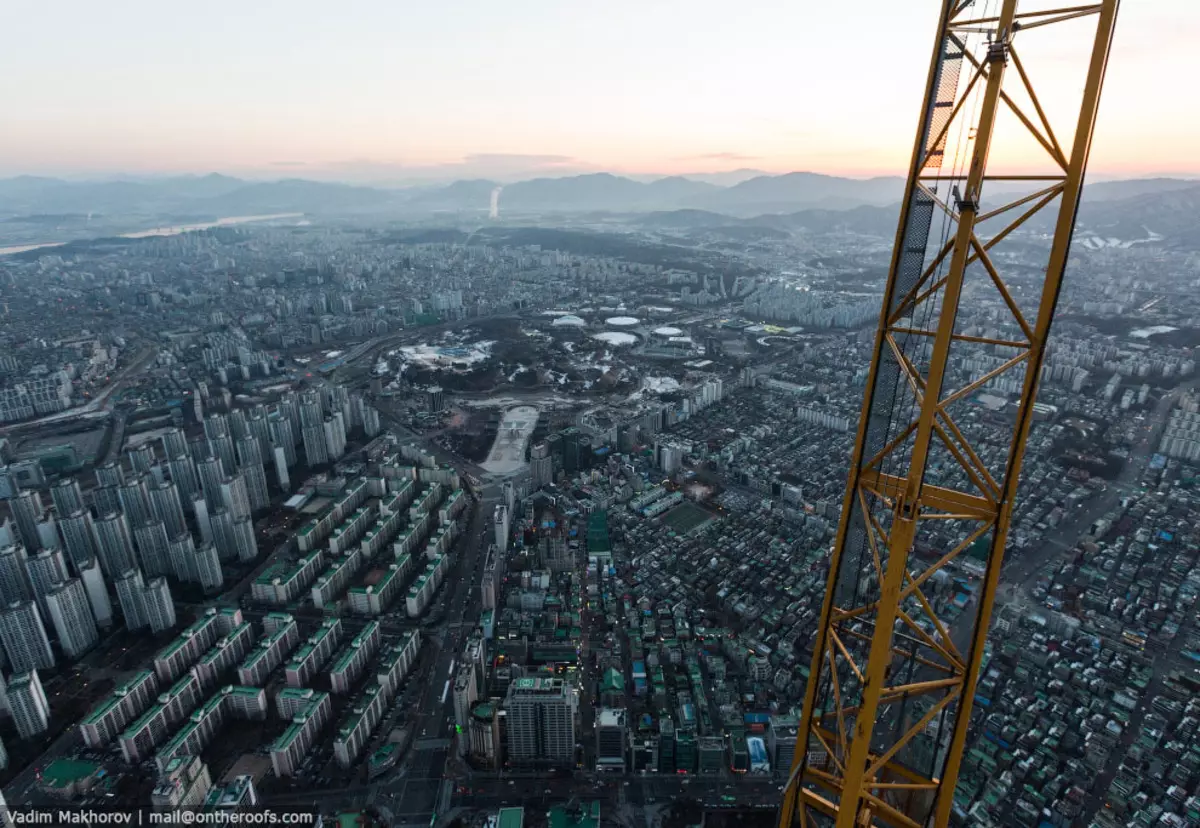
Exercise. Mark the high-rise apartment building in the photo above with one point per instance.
(222, 533)
(146, 603)
(283, 435)
(115, 544)
(281, 468)
(24, 637)
(174, 443)
(47, 569)
(541, 465)
(79, 535)
(185, 477)
(135, 501)
(316, 452)
(234, 496)
(141, 458)
(97, 591)
(110, 474)
(541, 722)
(27, 510)
(105, 500)
(66, 496)
(166, 505)
(71, 614)
(208, 568)
(244, 542)
(30, 707)
(160, 606)
(250, 464)
(211, 474)
(14, 574)
(153, 548)
(130, 586)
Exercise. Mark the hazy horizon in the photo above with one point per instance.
(395, 94)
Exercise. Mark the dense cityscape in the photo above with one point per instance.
(408, 523)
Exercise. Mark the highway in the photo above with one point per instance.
(97, 403)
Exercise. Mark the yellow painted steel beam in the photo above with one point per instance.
(1059, 250)
(793, 789)
(873, 654)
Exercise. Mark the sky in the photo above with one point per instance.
(397, 90)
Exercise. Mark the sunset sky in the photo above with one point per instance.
(396, 89)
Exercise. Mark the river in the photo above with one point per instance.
(161, 231)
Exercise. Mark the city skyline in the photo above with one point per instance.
(393, 95)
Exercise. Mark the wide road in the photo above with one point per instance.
(101, 401)
(629, 795)
(1021, 572)
(417, 789)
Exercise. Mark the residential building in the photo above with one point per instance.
(29, 705)
(24, 637)
(71, 614)
(541, 722)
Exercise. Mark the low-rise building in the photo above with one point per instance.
(353, 659)
(282, 584)
(118, 708)
(182, 786)
(139, 739)
(229, 703)
(313, 653)
(356, 729)
(397, 660)
(282, 636)
(333, 581)
(375, 598)
(226, 652)
(287, 752)
(173, 660)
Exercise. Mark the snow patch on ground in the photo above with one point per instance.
(456, 357)
(660, 385)
(616, 338)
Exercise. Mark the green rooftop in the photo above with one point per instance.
(101, 710)
(270, 573)
(382, 754)
(297, 726)
(116, 696)
(63, 772)
(184, 637)
(511, 818)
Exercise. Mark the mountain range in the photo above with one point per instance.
(1131, 209)
(219, 195)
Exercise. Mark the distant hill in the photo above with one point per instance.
(469, 194)
(1172, 214)
(1113, 212)
(298, 196)
(726, 179)
(599, 191)
(1116, 190)
(799, 190)
(215, 195)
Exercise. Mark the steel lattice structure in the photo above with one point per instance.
(892, 682)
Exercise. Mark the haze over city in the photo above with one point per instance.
(552, 415)
(396, 92)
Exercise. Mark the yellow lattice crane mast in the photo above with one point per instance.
(933, 478)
